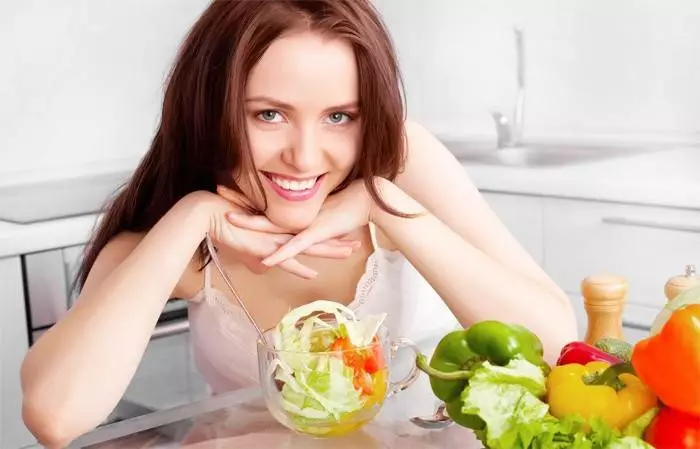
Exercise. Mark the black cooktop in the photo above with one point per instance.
(50, 200)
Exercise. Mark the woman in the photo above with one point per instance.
(294, 110)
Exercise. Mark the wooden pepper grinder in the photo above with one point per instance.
(604, 298)
(677, 284)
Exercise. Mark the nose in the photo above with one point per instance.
(305, 152)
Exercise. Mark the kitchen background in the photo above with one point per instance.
(80, 91)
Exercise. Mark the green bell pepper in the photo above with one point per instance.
(460, 352)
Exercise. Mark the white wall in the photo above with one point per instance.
(593, 67)
(81, 80)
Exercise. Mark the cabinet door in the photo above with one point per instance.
(522, 215)
(634, 334)
(14, 343)
(646, 245)
(46, 287)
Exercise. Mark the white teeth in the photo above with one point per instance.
(295, 186)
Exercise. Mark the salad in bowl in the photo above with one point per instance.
(325, 372)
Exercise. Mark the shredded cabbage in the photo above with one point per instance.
(316, 384)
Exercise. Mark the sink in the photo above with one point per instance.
(542, 154)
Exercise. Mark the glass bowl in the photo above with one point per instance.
(330, 393)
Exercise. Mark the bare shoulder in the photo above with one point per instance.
(117, 250)
(420, 139)
(415, 130)
(420, 145)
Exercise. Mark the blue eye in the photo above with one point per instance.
(337, 118)
(269, 116)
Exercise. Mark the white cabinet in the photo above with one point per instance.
(13, 347)
(46, 287)
(572, 239)
(522, 215)
(634, 334)
(49, 277)
(646, 245)
(45, 277)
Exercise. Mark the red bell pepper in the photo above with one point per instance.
(582, 353)
(673, 429)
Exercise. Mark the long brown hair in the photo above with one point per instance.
(201, 138)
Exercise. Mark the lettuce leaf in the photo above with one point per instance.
(505, 397)
(516, 372)
(637, 427)
(570, 432)
(509, 400)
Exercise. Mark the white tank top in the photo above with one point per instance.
(224, 341)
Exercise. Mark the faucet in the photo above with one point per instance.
(510, 135)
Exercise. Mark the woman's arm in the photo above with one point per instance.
(466, 253)
(74, 375)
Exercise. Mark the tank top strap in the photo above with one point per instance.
(207, 276)
(373, 236)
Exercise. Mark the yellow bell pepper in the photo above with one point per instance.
(582, 390)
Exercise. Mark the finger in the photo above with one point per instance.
(294, 246)
(344, 243)
(254, 222)
(294, 267)
(328, 251)
(280, 239)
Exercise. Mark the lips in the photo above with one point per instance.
(294, 189)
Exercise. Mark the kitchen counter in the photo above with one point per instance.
(22, 239)
(82, 187)
(666, 178)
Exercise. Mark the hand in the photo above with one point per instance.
(255, 244)
(342, 213)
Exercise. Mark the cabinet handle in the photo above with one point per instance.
(651, 224)
(637, 326)
(170, 328)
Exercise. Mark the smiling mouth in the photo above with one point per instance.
(292, 185)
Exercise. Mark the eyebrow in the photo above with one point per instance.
(282, 105)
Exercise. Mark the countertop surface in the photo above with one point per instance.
(22, 239)
(665, 178)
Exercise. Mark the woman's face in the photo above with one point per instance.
(303, 125)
